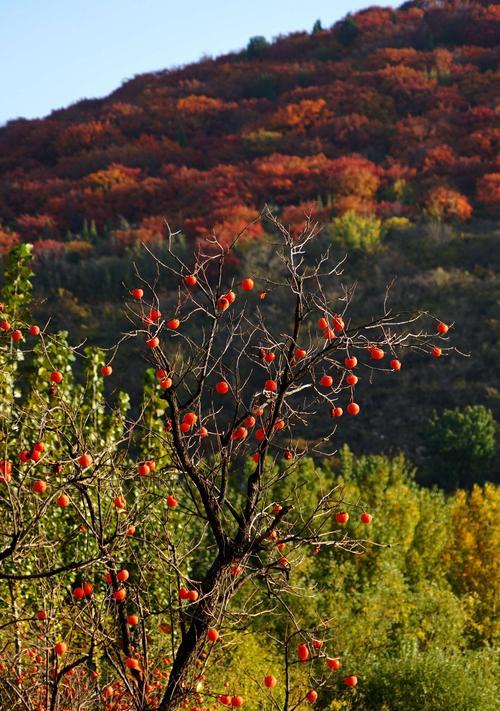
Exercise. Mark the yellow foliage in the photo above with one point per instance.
(473, 557)
(397, 223)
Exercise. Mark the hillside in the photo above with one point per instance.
(383, 127)
(387, 111)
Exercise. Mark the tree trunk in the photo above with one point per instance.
(204, 615)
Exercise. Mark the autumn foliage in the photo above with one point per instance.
(387, 113)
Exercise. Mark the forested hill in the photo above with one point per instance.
(382, 126)
(388, 112)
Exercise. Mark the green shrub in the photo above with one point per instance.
(429, 682)
(357, 232)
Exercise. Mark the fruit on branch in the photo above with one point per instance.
(172, 501)
(34, 330)
(312, 696)
(249, 421)
(342, 517)
(322, 323)
(247, 284)
(16, 335)
(329, 334)
(120, 502)
(442, 328)
(240, 433)
(193, 595)
(376, 353)
(351, 680)
(338, 323)
(154, 315)
(303, 652)
(317, 643)
(366, 517)
(5, 471)
(437, 352)
(237, 701)
(173, 324)
(395, 364)
(271, 386)
(153, 342)
(56, 377)
(35, 455)
(190, 280)
(212, 634)
(25, 455)
(85, 461)
(63, 500)
(333, 663)
(143, 469)
(222, 387)
(270, 681)
(123, 575)
(106, 370)
(300, 353)
(61, 648)
(183, 593)
(137, 293)
(336, 412)
(203, 432)
(351, 379)
(88, 589)
(131, 663)
(40, 486)
(78, 593)
(131, 529)
(353, 408)
(132, 620)
(350, 362)
(191, 418)
(326, 381)
(41, 615)
(166, 383)
(4, 325)
(222, 303)
(119, 594)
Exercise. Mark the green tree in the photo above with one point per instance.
(348, 31)
(460, 446)
(357, 232)
(257, 46)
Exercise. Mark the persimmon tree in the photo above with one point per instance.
(137, 542)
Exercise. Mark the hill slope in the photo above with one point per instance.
(388, 114)
(373, 114)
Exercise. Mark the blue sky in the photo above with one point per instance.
(54, 52)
